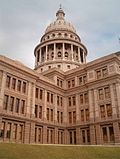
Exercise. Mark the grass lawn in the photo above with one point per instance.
(22, 151)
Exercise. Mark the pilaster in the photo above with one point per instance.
(116, 132)
(114, 110)
(2, 90)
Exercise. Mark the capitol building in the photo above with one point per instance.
(64, 99)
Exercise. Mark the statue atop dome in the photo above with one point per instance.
(60, 13)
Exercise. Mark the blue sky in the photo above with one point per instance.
(23, 22)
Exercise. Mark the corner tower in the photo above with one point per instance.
(60, 46)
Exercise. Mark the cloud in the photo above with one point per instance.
(22, 23)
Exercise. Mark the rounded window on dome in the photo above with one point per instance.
(59, 54)
(65, 34)
(48, 37)
(53, 35)
(76, 38)
(71, 36)
(59, 34)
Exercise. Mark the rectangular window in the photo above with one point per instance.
(22, 106)
(8, 133)
(83, 136)
(107, 92)
(61, 117)
(87, 114)
(57, 82)
(11, 103)
(61, 101)
(69, 84)
(20, 132)
(8, 81)
(51, 98)
(109, 110)
(74, 117)
(111, 132)
(40, 112)
(58, 100)
(84, 79)
(104, 72)
(81, 99)
(5, 106)
(19, 85)
(86, 97)
(36, 111)
(73, 83)
(13, 83)
(70, 117)
(2, 130)
(101, 95)
(80, 80)
(58, 116)
(15, 131)
(51, 114)
(102, 111)
(74, 100)
(105, 137)
(98, 74)
(41, 94)
(24, 87)
(69, 101)
(48, 114)
(17, 105)
(88, 136)
(61, 83)
(48, 96)
(82, 115)
(36, 93)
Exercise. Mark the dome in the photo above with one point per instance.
(60, 23)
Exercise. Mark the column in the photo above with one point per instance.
(27, 133)
(118, 96)
(83, 57)
(92, 135)
(45, 105)
(44, 134)
(91, 105)
(77, 109)
(96, 105)
(33, 101)
(40, 56)
(63, 51)
(98, 135)
(66, 137)
(77, 135)
(72, 52)
(65, 119)
(54, 51)
(32, 132)
(116, 130)
(79, 54)
(56, 135)
(36, 63)
(46, 49)
(11, 134)
(114, 111)
(28, 106)
(55, 112)
(2, 90)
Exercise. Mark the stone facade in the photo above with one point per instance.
(64, 100)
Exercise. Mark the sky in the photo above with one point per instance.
(23, 22)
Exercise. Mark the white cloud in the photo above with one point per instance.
(23, 22)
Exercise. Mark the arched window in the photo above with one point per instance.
(66, 54)
(59, 54)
